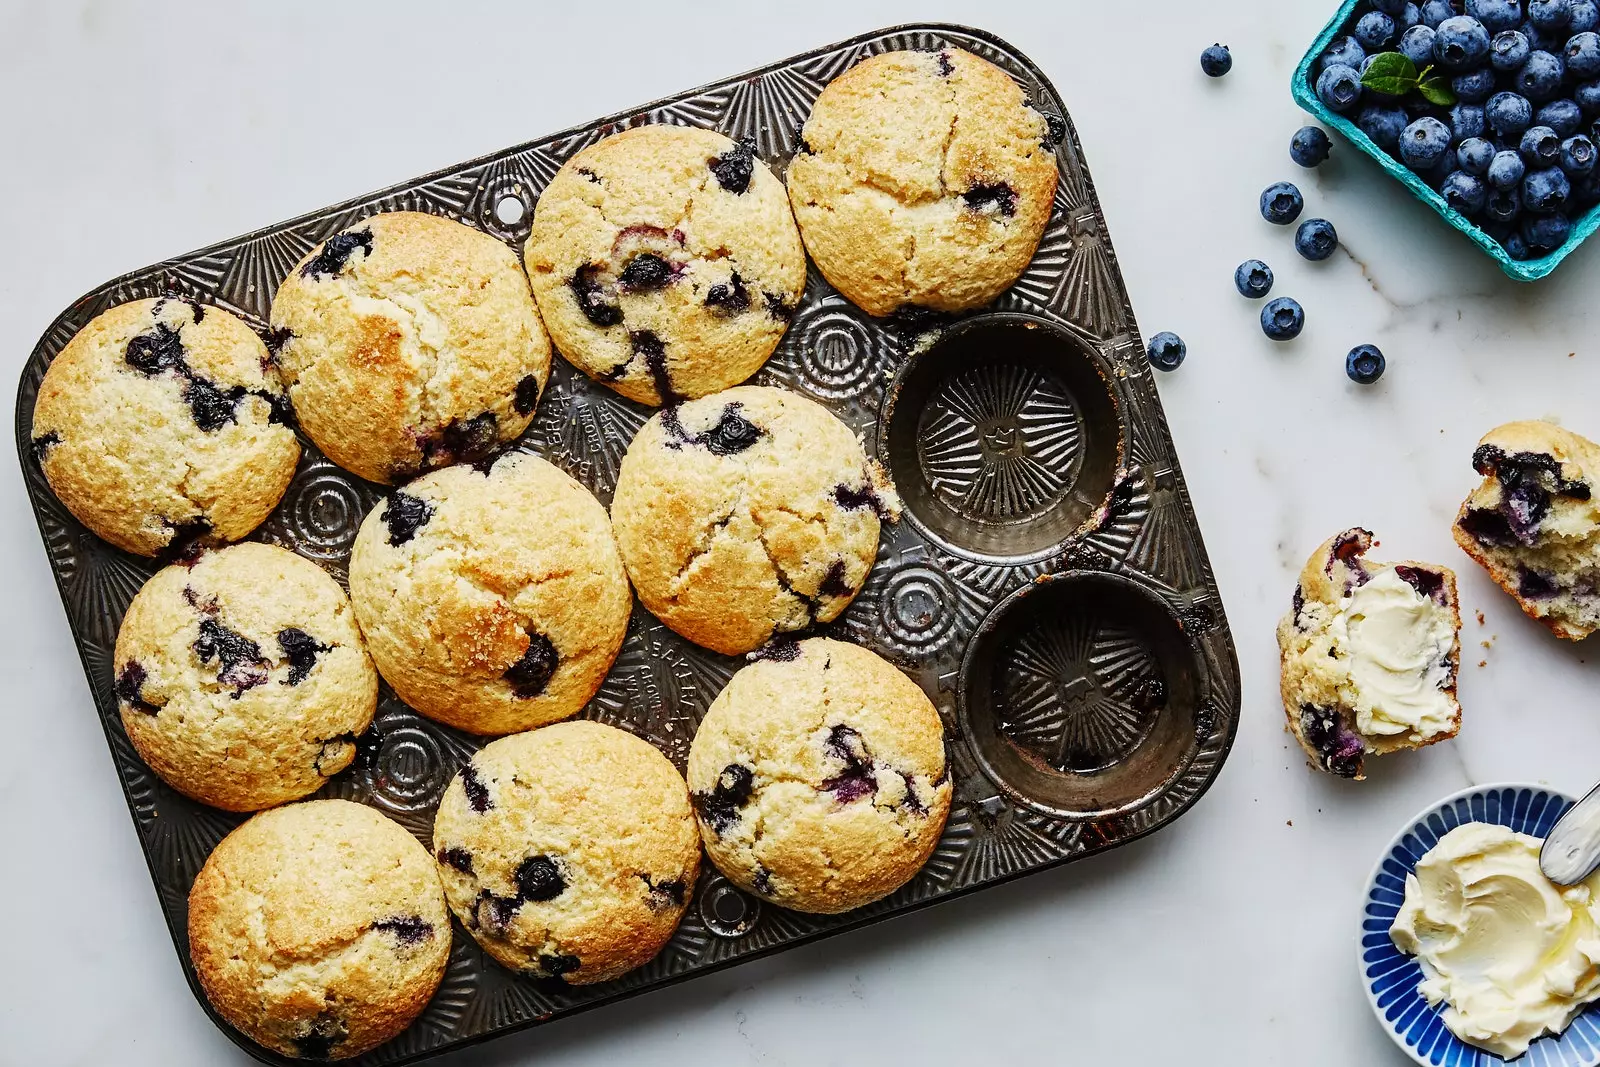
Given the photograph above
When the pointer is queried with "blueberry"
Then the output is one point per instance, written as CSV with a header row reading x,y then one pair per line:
x,y
1364,364
407,929
644,272
1583,55
1467,120
1545,190
1464,192
404,515
1389,7
1563,116
300,651
1461,42
593,298
1424,143
1309,146
1540,40
1540,76
1549,15
475,789
996,198
1166,351
1587,97
1508,114
1281,203
1416,44
1496,15
730,297
336,252
1410,15
1509,50
1583,16
533,671
1516,247
1316,239
1577,155
1216,61
1540,146
1374,30
539,878
733,168
1474,87
1506,170
240,665
1283,319
156,351
1436,11
1339,87
1253,279
1545,233
1503,205
720,808
1384,124
1474,155
1343,52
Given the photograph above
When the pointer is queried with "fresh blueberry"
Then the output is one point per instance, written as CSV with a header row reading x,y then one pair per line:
x,y
1374,30
1509,114
1467,120
1216,61
1549,15
1309,146
1416,44
1516,247
1496,15
1384,124
1583,55
1545,233
1587,97
1166,350
1583,16
1461,43
1540,77
1283,319
1475,86
1424,143
1509,50
1464,192
1343,52
1502,205
1409,15
1545,190
1436,11
1364,364
1389,7
1540,40
1563,116
1474,155
1540,146
1281,203
1339,87
1506,169
1316,239
1253,279
1577,155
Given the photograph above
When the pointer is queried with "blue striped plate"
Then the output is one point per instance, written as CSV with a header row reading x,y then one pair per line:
x,y
1390,977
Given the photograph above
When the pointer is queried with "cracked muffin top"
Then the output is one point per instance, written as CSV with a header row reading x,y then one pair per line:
x,y
162,427
491,597
409,342
569,852
666,262
748,513
819,777
242,679
923,179
319,929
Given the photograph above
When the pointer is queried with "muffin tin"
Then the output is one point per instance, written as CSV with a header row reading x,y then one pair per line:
x,y
1048,586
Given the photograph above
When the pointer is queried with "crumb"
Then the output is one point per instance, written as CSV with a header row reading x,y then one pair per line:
x,y
1487,644
1570,355
1483,663
1481,620
1288,822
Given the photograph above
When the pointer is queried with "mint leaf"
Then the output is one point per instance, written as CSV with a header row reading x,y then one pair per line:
x,y
1436,91
1391,74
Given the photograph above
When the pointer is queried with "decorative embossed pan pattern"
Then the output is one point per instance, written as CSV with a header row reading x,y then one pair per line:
x,y
1048,586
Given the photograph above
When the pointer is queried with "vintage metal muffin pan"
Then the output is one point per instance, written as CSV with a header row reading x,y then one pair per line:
x,y
1048,586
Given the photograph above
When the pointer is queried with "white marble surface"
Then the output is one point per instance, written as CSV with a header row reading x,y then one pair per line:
x,y
135,132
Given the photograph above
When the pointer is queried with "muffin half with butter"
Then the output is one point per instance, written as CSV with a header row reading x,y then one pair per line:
x,y
1370,654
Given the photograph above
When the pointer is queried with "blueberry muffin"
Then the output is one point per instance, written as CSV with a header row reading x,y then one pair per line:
x,y
666,262
748,513
1533,525
922,179
409,342
569,852
819,777
162,427
1370,653
491,597
319,929
242,678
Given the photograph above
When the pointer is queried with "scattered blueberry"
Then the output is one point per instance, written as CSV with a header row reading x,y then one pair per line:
x,y
1509,50
1540,76
1166,351
1364,364
1545,190
1309,146
1496,15
1474,155
1216,61
1509,114
1424,143
1464,192
1339,87
1577,155
1283,319
1281,203
1506,169
1384,124
1416,44
1253,279
1316,239
1460,42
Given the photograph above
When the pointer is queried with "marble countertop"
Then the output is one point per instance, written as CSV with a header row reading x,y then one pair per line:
x,y
137,132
